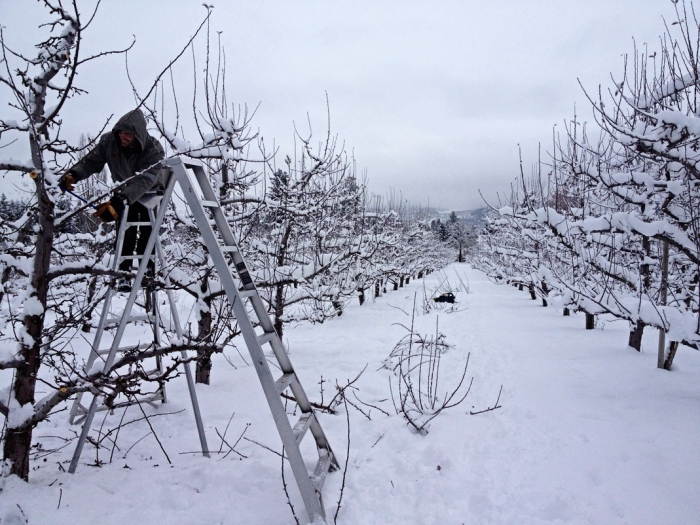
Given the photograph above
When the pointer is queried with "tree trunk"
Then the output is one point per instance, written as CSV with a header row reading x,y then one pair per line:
x,y
520,287
545,293
361,297
203,367
396,285
635,339
672,349
531,289
590,321
92,287
5,277
567,312
376,289
223,190
401,282
338,306
18,442
278,305
279,309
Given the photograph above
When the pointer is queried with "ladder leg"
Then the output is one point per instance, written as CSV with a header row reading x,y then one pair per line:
x,y
83,435
122,324
236,288
188,370
74,416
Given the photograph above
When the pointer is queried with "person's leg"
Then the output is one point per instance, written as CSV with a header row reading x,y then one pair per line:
x,y
144,234
130,238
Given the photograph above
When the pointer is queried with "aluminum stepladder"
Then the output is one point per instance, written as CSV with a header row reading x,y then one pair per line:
x,y
239,286
79,413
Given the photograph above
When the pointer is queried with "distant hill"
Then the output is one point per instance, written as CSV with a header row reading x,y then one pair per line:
x,y
476,218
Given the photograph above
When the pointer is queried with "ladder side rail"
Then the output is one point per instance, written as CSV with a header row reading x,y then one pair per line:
x,y
183,354
110,293
303,400
315,427
279,414
263,317
255,300
122,325
157,339
94,350
94,354
229,239
153,297
148,251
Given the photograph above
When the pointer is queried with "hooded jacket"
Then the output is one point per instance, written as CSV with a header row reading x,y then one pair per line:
x,y
142,159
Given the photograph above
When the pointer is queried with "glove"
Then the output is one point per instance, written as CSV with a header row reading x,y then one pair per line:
x,y
66,182
110,211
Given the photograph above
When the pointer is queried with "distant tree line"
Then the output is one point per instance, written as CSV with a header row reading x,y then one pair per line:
x,y
11,209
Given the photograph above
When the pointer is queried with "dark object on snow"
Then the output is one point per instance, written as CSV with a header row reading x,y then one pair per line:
x,y
448,297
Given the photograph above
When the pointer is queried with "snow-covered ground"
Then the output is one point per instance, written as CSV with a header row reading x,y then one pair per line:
x,y
588,431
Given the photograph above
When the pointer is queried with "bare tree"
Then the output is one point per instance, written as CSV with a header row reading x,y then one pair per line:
x,y
596,228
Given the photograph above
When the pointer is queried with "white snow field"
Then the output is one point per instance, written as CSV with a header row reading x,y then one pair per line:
x,y
589,431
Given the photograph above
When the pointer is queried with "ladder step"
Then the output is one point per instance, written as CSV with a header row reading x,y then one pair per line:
x,y
138,223
318,478
283,382
247,293
210,204
266,337
302,426
127,257
229,249
111,321
123,349
80,410
150,399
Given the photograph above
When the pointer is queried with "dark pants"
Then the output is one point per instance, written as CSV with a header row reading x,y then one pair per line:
x,y
136,237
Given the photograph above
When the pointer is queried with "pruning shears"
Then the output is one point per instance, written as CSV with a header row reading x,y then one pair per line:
x,y
64,189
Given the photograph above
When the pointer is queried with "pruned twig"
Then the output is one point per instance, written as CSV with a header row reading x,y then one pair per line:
x,y
494,407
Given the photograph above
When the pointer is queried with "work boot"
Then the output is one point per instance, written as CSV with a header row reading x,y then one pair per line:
x,y
149,277
123,285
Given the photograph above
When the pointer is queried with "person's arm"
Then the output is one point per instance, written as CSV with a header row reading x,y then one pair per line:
x,y
91,163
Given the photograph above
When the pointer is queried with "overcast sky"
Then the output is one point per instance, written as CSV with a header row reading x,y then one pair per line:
x,y
431,97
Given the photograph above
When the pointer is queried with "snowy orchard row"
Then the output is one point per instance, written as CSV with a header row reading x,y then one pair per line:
x,y
312,236
613,226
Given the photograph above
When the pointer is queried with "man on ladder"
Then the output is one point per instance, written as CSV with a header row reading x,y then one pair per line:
x,y
128,149
255,325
